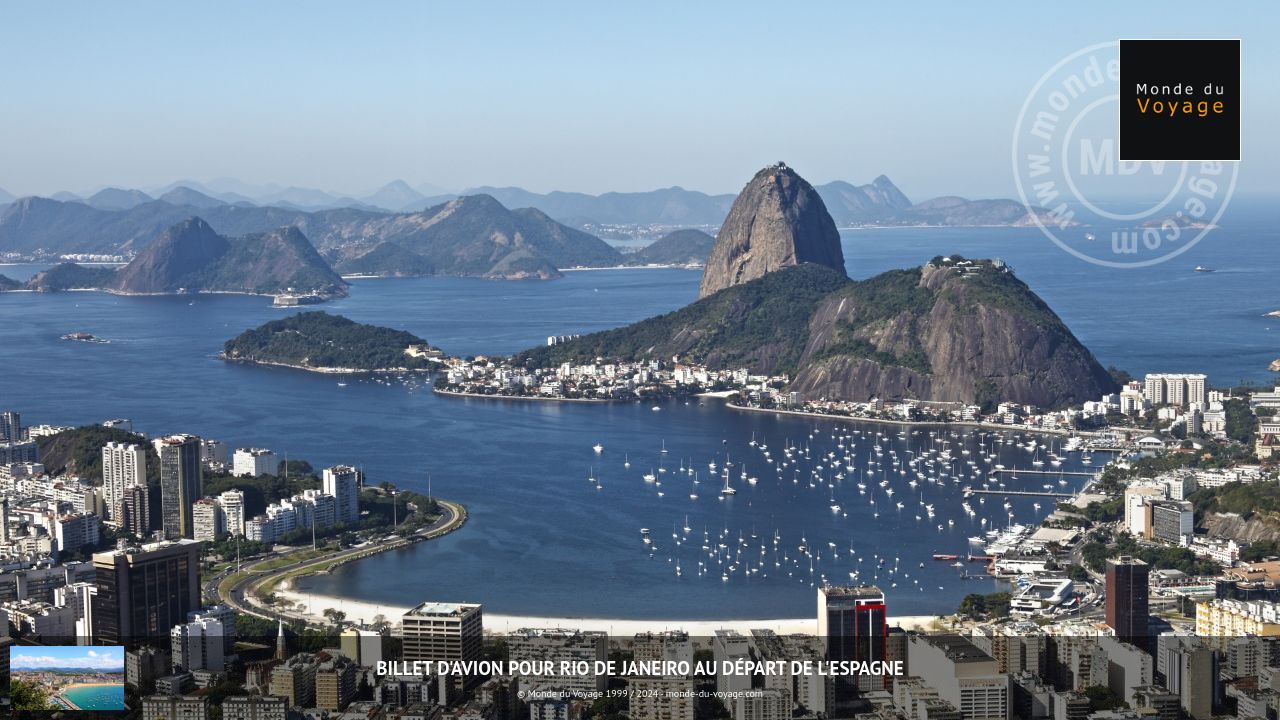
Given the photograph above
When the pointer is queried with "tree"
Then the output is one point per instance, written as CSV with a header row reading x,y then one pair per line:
x,y
335,616
24,695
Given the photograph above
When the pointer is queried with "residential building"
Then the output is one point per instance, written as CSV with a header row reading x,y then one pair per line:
x,y
175,707
443,631
342,482
335,683
199,645
295,680
231,502
962,674
254,707
124,465
206,520
252,462
561,646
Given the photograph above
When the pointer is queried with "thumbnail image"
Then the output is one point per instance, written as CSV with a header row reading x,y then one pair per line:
x,y
67,677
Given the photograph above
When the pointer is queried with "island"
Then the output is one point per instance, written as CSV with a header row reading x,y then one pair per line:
x,y
85,337
319,342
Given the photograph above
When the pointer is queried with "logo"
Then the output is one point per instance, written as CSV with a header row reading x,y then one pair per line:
x,y
1083,196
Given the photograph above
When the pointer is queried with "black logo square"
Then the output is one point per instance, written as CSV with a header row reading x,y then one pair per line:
x,y
1179,99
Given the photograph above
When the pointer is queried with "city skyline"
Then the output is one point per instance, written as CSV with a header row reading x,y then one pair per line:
x,y
606,100
71,656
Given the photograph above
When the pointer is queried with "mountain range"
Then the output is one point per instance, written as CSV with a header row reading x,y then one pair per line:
x,y
775,298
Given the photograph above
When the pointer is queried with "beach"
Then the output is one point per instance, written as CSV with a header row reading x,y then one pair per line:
x,y
360,611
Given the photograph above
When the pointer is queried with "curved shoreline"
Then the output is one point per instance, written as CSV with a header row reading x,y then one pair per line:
x,y
922,423
322,370
539,398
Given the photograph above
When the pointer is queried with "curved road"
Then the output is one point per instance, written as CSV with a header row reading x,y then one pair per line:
x,y
236,594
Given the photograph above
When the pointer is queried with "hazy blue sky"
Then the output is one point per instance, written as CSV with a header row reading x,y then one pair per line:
x,y
589,96
47,656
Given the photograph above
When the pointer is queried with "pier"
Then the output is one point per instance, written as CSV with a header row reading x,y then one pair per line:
x,y
1026,493
1074,473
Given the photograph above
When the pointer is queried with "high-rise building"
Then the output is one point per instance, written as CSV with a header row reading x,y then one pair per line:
x,y
435,631
1181,389
206,519
199,645
181,483
962,675
731,646
1172,521
295,680
853,621
335,683
1127,611
561,646
135,510
143,665
232,504
11,426
124,465
366,647
341,481
144,591
661,698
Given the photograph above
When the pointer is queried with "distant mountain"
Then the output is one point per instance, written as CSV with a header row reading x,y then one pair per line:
x,y
777,221
185,196
882,203
117,199
681,247
65,196
7,284
300,198
33,224
396,196
852,203
387,259
5,197
474,235
190,256
668,206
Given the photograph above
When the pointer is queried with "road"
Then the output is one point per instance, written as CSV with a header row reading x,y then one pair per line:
x,y
236,594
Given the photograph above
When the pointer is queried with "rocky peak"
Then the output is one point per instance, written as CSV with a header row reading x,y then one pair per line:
x,y
777,221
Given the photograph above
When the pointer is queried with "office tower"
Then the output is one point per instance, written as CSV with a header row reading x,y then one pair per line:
x,y
181,483
254,707
1127,586
135,511
10,426
853,622
124,465
962,675
144,591
206,520
341,482
1172,521
232,504
199,645
443,631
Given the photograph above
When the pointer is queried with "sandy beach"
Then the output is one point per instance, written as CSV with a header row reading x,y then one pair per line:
x,y
356,610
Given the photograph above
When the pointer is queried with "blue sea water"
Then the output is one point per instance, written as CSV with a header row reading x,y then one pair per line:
x,y
99,697
541,539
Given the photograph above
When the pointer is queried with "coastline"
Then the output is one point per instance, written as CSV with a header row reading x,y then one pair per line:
x,y
323,370
363,611
887,421
482,396
62,698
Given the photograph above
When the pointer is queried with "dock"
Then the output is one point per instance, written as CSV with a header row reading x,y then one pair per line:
x,y
1073,473
1025,493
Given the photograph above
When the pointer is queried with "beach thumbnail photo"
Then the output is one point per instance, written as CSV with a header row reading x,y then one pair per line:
x,y
67,677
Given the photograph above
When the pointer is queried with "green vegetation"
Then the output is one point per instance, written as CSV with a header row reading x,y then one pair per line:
x,y
25,695
1103,698
1159,557
1242,424
884,298
1245,500
320,340
79,451
992,605
763,324
1260,550
71,276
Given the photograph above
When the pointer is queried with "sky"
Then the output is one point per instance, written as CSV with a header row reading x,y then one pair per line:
x,y
589,97
38,657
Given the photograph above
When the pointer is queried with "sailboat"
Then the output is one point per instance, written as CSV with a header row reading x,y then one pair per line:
x,y
727,489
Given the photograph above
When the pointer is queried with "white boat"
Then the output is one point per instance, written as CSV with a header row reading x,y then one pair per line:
x,y
598,448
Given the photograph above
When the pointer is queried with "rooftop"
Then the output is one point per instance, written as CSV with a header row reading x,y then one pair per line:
x,y
443,609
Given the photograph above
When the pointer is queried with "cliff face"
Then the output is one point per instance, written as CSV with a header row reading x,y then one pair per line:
x,y
778,220
180,251
965,331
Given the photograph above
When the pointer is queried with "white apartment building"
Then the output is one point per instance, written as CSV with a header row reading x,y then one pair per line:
x,y
124,465
231,502
252,462
342,482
